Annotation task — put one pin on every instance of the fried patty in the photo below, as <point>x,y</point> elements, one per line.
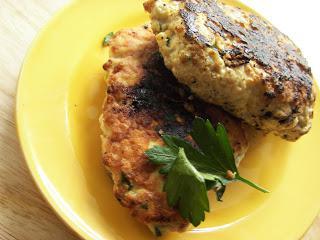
<point>238,61</point>
<point>144,100</point>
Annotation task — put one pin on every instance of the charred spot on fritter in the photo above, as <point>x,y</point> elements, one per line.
<point>160,95</point>
<point>260,41</point>
<point>234,57</point>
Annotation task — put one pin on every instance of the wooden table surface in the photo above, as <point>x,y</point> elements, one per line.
<point>24,215</point>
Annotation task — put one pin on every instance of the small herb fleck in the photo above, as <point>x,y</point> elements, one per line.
<point>107,39</point>
<point>160,26</point>
<point>170,117</point>
<point>157,232</point>
<point>125,181</point>
<point>145,206</point>
<point>168,42</point>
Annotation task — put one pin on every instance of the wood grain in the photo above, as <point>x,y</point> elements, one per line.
<point>24,215</point>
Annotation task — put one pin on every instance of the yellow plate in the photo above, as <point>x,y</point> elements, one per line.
<point>59,98</point>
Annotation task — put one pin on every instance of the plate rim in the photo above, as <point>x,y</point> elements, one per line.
<point>30,164</point>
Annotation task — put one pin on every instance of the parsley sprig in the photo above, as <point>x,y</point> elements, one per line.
<point>192,171</point>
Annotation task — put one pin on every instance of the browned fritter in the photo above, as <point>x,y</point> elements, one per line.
<point>143,101</point>
<point>237,60</point>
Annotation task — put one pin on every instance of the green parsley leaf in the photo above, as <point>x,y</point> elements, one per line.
<point>200,161</point>
<point>162,155</point>
<point>107,38</point>
<point>214,143</point>
<point>186,189</point>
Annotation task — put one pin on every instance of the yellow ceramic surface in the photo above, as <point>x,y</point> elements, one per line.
<point>59,99</point>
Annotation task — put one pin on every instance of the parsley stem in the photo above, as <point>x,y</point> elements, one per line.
<point>251,184</point>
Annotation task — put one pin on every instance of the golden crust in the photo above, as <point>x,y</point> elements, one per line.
<point>137,185</point>
<point>144,99</point>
